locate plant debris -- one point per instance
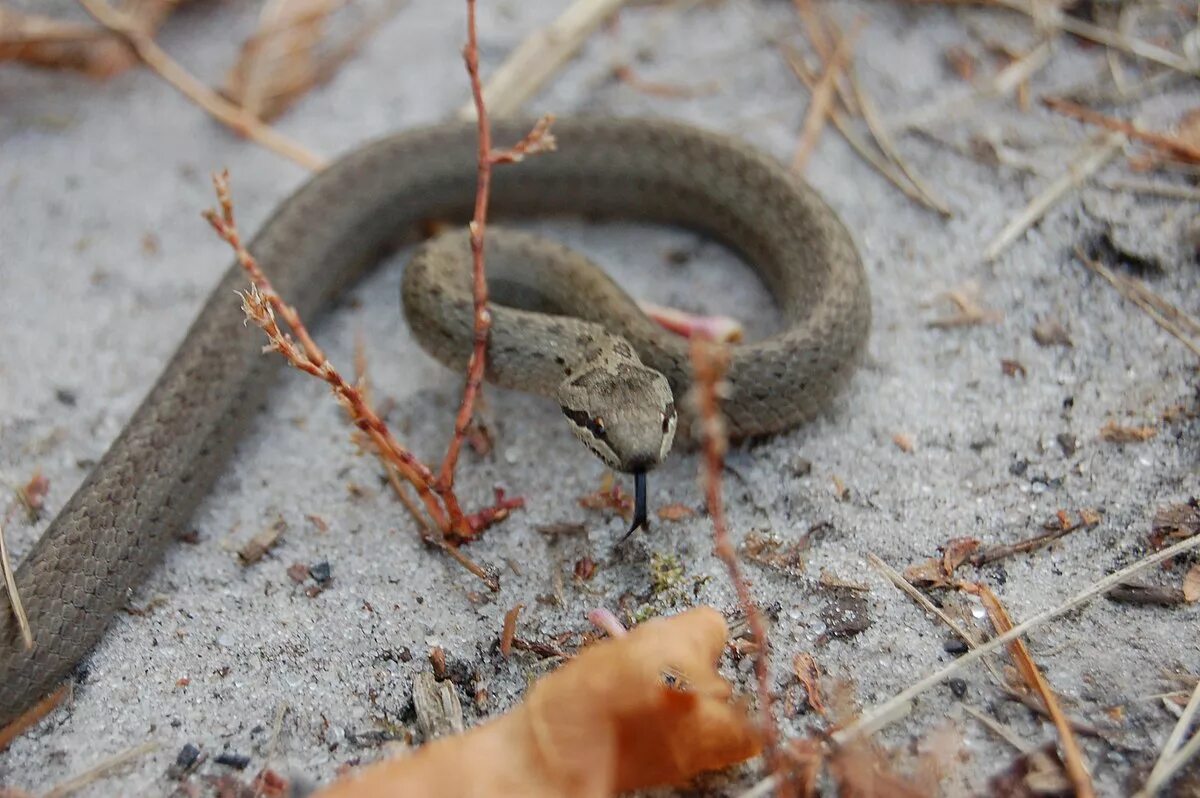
(1113, 432)
(771, 551)
(257, 547)
(644, 710)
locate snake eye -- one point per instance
(596, 425)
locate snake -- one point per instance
(560, 327)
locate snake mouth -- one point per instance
(639, 504)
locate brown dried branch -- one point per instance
(237, 119)
(1167, 316)
(34, 715)
(1054, 531)
(1172, 145)
(283, 59)
(1076, 767)
(819, 107)
(709, 362)
(538, 140)
(14, 598)
(540, 55)
(43, 41)
(265, 307)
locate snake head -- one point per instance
(621, 410)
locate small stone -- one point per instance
(235, 761)
(1049, 332)
(1068, 443)
(185, 762)
(958, 687)
(65, 396)
(321, 573)
(800, 466)
(956, 647)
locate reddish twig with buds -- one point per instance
(709, 363)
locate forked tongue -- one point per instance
(639, 504)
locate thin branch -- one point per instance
(868, 722)
(1160, 773)
(1172, 145)
(1167, 316)
(897, 705)
(709, 362)
(539, 56)
(1075, 765)
(1084, 166)
(1003, 732)
(888, 146)
(14, 598)
(821, 101)
(228, 113)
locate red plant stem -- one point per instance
(709, 361)
(483, 318)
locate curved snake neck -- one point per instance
(550, 304)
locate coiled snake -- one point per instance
(561, 328)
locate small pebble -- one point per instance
(235, 761)
(956, 647)
(958, 687)
(321, 573)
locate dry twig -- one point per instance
(231, 115)
(709, 362)
(821, 102)
(1076, 767)
(1166, 315)
(14, 598)
(539, 56)
(1170, 759)
(1079, 170)
(1171, 145)
(897, 705)
(34, 715)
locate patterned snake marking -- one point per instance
(341, 223)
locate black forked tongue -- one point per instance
(639, 504)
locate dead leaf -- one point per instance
(33, 493)
(903, 442)
(644, 710)
(1191, 585)
(805, 668)
(775, 553)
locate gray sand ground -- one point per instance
(89, 312)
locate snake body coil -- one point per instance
(338, 225)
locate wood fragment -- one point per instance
(1090, 161)
(439, 712)
(540, 55)
(510, 629)
(842, 123)
(258, 546)
(809, 675)
(14, 597)
(1155, 188)
(1116, 433)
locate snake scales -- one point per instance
(339, 224)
